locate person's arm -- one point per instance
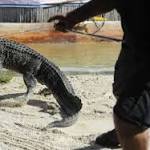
(90, 9)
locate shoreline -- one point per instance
(88, 70)
(79, 70)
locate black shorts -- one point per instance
(132, 87)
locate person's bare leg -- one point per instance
(132, 137)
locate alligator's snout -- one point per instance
(65, 122)
(69, 112)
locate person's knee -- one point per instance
(131, 136)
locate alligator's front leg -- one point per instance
(30, 82)
(1, 63)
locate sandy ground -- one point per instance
(21, 127)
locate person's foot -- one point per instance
(108, 139)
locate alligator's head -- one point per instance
(70, 109)
(71, 105)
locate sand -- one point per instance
(21, 126)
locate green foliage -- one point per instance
(6, 76)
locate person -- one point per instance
(131, 85)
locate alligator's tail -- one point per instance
(56, 81)
(57, 17)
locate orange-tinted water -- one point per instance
(91, 54)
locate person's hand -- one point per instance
(63, 25)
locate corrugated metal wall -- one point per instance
(41, 14)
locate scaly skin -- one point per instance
(32, 66)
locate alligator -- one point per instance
(35, 67)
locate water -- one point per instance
(92, 54)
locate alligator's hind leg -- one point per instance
(30, 82)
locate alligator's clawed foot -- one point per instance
(45, 92)
(53, 108)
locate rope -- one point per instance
(97, 36)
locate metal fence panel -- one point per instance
(41, 14)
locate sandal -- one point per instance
(108, 139)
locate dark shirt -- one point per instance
(134, 18)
